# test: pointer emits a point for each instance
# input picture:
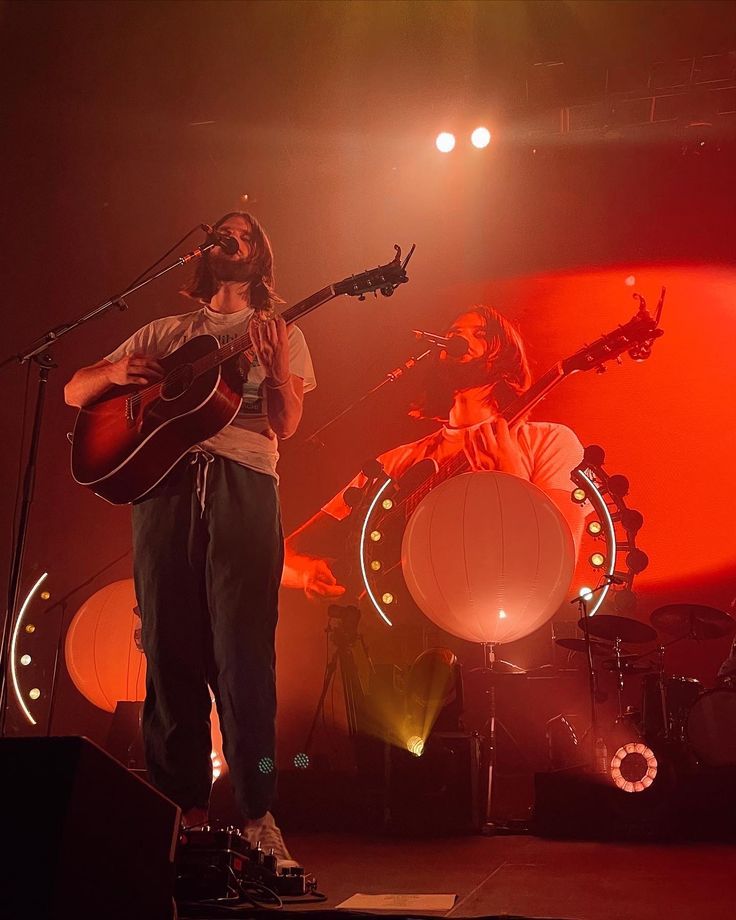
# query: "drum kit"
(674, 709)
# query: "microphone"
(227, 243)
(455, 346)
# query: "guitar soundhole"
(177, 382)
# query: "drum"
(711, 727)
(665, 706)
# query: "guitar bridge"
(130, 412)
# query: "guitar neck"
(243, 342)
(514, 412)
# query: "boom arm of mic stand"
(389, 378)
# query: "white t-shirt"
(549, 452)
(249, 439)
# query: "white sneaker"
(266, 832)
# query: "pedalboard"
(219, 863)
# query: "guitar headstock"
(384, 278)
(635, 337)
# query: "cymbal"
(607, 626)
(693, 620)
(628, 664)
(578, 645)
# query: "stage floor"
(529, 876)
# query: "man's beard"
(226, 270)
(443, 379)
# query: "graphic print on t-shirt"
(253, 378)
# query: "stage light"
(480, 138)
(25, 659)
(387, 504)
(502, 614)
(579, 496)
(637, 560)
(597, 560)
(630, 280)
(387, 598)
(631, 519)
(375, 535)
(301, 761)
(415, 746)
(266, 765)
(594, 528)
(586, 594)
(445, 142)
(45, 595)
(634, 767)
(29, 628)
(376, 565)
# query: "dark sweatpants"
(207, 582)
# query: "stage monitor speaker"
(82, 836)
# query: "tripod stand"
(342, 628)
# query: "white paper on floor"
(399, 902)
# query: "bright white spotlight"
(480, 138)
(445, 142)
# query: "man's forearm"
(285, 403)
(87, 385)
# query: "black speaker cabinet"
(82, 836)
(438, 792)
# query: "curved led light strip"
(13, 646)
(603, 508)
(639, 785)
(361, 550)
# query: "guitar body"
(125, 443)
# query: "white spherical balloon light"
(488, 557)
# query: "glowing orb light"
(486, 542)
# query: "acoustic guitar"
(127, 441)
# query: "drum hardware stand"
(489, 672)
(598, 757)
(39, 352)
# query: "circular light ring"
(595, 496)
(14, 646)
(647, 777)
(362, 551)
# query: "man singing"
(207, 541)
(467, 395)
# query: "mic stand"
(38, 351)
(393, 375)
(596, 741)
